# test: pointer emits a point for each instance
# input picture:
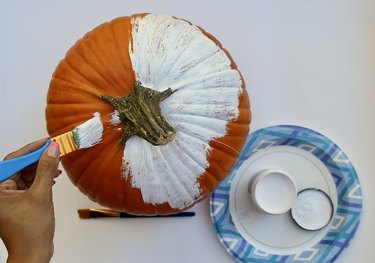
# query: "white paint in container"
(313, 209)
(273, 191)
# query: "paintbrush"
(83, 136)
(107, 213)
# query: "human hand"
(27, 221)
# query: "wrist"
(37, 255)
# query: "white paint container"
(313, 209)
(273, 191)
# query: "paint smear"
(170, 53)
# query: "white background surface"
(305, 62)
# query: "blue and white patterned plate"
(349, 204)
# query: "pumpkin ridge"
(187, 124)
(177, 58)
(175, 172)
(118, 78)
(218, 167)
(103, 176)
(70, 104)
(200, 104)
(80, 52)
(84, 78)
(195, 136)
(196, 110)
(74, 120)
(193, 86)
(218, 50)
(234, 151)
(187, 71)
(82, 178)
(81, 88)
(240, 125)
(59, 129)
(197, 30)
(208, 175)
(116, 41)
(196, 115)
(190, 155)
(105, 60)
(104, 144)
(216, 140)
(197, 63)
(163, 191)
(227, 146)
(177, 105)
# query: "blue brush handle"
(9, 167)
(180, 214)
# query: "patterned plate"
(346, 220)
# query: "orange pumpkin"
(174, 108)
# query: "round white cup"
(273, 191)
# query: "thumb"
(47, 168)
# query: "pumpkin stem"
(141, 115)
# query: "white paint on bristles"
(170, 53)
(89, 133)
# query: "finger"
(11, 193)
(8, 185)
(58, 173)
(27, 149)
(24, 176)
(27, 178)
(28, 173)
(47, 169)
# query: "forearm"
(36, 257)
(40, 254)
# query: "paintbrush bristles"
(96, 213)
(89, 133)
(85, 135)
(84, 213)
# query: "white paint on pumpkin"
(115, 120)
(168, 52)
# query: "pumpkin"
(174, 108)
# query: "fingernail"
(53, 150)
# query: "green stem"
(141, 115)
